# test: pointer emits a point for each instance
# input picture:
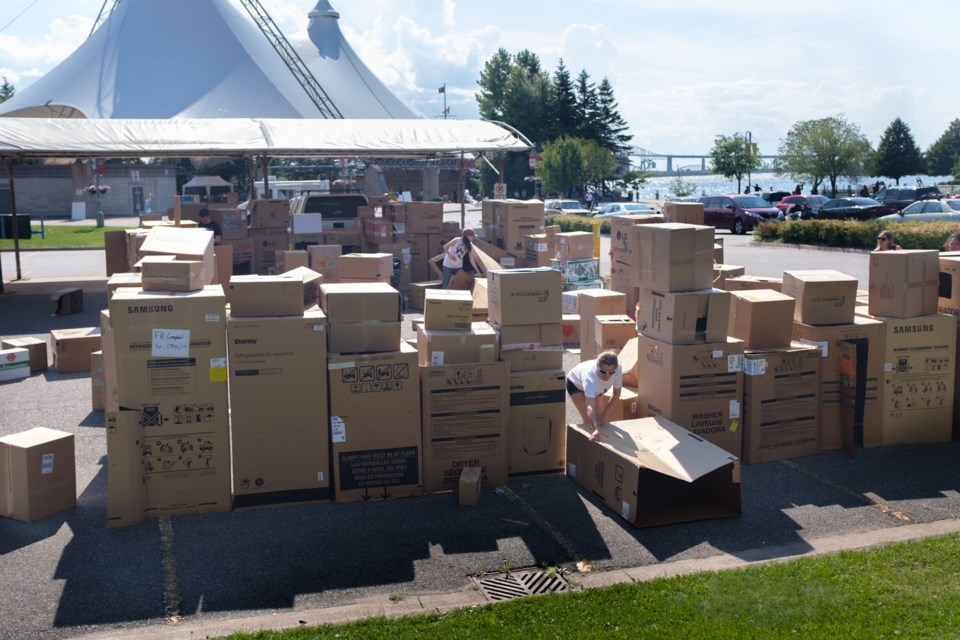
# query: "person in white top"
(454, 254)
(586, 384)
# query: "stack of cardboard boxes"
(507, 223)
(268, 222)
(623, 253)
(418, 236)
(575, 261)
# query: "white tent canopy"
(82, 138)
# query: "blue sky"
(683, 71)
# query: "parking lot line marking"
(862, 497)
(171, 584)
(583, 565)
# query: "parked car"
(928, 211)
(774, 197)
(854, 209)
(738, 213)
(803, 206)
(901, 197)
(564, 208)
(623, 208)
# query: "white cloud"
(449, 13)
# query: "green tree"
(493, 85)
(588, 107)
(816, 150)
(561, 167)
(613, 128)
(565, 103)
(898, 154)
(943, 154)
(733, 157)
(599, 163)
(6, 90)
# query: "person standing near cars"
(588, 382)
(458, 252)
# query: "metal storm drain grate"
(517, 584)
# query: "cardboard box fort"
(823, 296)
(762, 318)
(673, 257)
(653, 472)
(865, 335)
(375, 428)
(465, 423)
(748, 283)
(257, 295)
(72, 348)
(529, 347)
(279, 364)
(448, 310)
(781, 403)
(686, 317)
(35, 346)
(38, 475)
(524, 296)
(168, 443)
(14, 364)
(698, 386)
(436, 347)
(361, 317)
(537, 418)
(184, 244)
(903, 284)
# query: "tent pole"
(265, 168)
(463, 203)
(252, 174)
(13, 222)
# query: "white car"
(928, 211)
(623, 208)
(564, 208)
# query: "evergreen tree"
(6, 90)
(613, 127)
(897, 154)
(943, 154)
(587, 108)
(493, 85)
(529, 62)
(565, 102)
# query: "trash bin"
(24, 232)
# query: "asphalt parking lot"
(68, 575)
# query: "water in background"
(663, 187)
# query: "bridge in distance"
(653, 161)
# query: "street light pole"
(96, 190)
(749, 160)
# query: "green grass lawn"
(908, 590)
(62, 237)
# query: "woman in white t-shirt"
(586, 384)
(454, 254)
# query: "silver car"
(623, 208)
(928, 211)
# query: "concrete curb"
(386, 607)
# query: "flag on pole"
(442, 89)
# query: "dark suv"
(900, 197)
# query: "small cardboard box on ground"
(698, 386)
(903, 284)
(72, 348)
(653, 472)
(436, 347)
(524, 296)
(448, 310)
(781, 403)
(673, 257)
(375, 426)
(14, 364)
(279, 362)
(36, 347)
(465, 423)
(537, 418)
(266, 296)
(762, 318)
(468, 491)
(38, 476)
(67, 301)
(627, 406)
(823, 296)
(686, 317)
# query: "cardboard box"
(532, 346)
(115, 252)
(233, 223)
(311, 284)
(613, 331)
(416, 297)
(762, 318)
(125, 279)
(723, 271)
(575, 245)
(904, 284)
(243, 251)
(570, 302)
(366, 266)
(324, 256)
(266, 243)
(481, 299)
(109, 350)
(627, 358)
(98, 391)
(622, 241)
(683, 212)
(437, 347)
(72, 348)
(539, 249)
(673, 257)
(468, 490)
(289, 260)
(465, 423)
(184, 244)
(593, 303)
(537, 418)
(378, 231)
(570, 326)
(584, 270)
(653, 473)
(344, 237)
(14, 364)
(417, 217)
(524, 296)
(686, 317)
(371, 462)
(266, 296)
(626, 407)
(159, 274)
(360, 302)
(698, 386)
(67, 301)
(448, 310)
(279, 362)
(35, 346)
(750, 283)
(823, 296)
(268, 213)
(781, 403)
(867, 337)
(38, 474)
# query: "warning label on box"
(379, 468)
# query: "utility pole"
(443, 90)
